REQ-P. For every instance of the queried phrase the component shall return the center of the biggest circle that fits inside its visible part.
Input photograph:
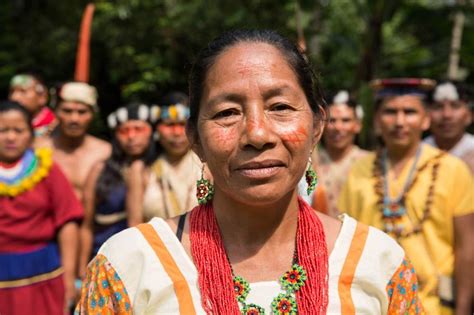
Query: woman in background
(38, 222)
(113, 192)
(171, 188)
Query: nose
(447, 111)
(257, 131)
(400, 118)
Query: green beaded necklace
(284, 303)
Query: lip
(260, 169)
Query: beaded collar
(393, 220)
(34, 168)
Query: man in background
(31, 92)
(450, 117)
(419, 195)
(74, 149)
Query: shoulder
(43, 142)
(378, 251)
(101, 147)
(448, 162)
(364, 166)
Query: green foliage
(142, 49)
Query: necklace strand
(393, 224)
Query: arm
(103, 292)
(86, 230)
(464, 260)
(68, 245)
(402, 291)
(135, 182)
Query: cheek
(294, 135)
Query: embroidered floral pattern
(103, 291)
(402, 291)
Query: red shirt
(33, 218)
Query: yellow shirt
(431, 251)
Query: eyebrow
(237, 98)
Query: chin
(260, 196)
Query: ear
(319, 123)
(376, 123)
(194, 141)
(426, 122)
(357, 126)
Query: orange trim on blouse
(349, 268)
(180, 284)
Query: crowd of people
(237, 191)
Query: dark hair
(175, 97)
(111, 176)
(6, 106)
(295, 59)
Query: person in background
(253, 246)
(339, 152)
(39, 216)
(171, 187)
(450, 117)
(30, 91)
(419, 195)
(108, 208)
(76, 151)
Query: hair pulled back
(295, 59)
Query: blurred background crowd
(111, 142)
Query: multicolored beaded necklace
(32, 168)
(393, 220)
(284, 303)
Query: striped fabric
(159, 276)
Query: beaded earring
(204, 189)
(311, 177)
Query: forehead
(73, 106)
(13, 116)
(248, 61)
(404, 101)
(341, 110)
(133, 123)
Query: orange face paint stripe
(349, 268)
(181, 288)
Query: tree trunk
(456, 39)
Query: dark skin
(256, 131)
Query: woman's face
(173, 138)
(134, 137)
(255, 126)
(15, 136)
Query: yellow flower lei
(45, 161)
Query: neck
(238, 222)
(337, 154)
(398, 156)
(174, 160)
(447, 144)
(68, 143)
(9, 164)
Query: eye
(281, 107)
(227, 113)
